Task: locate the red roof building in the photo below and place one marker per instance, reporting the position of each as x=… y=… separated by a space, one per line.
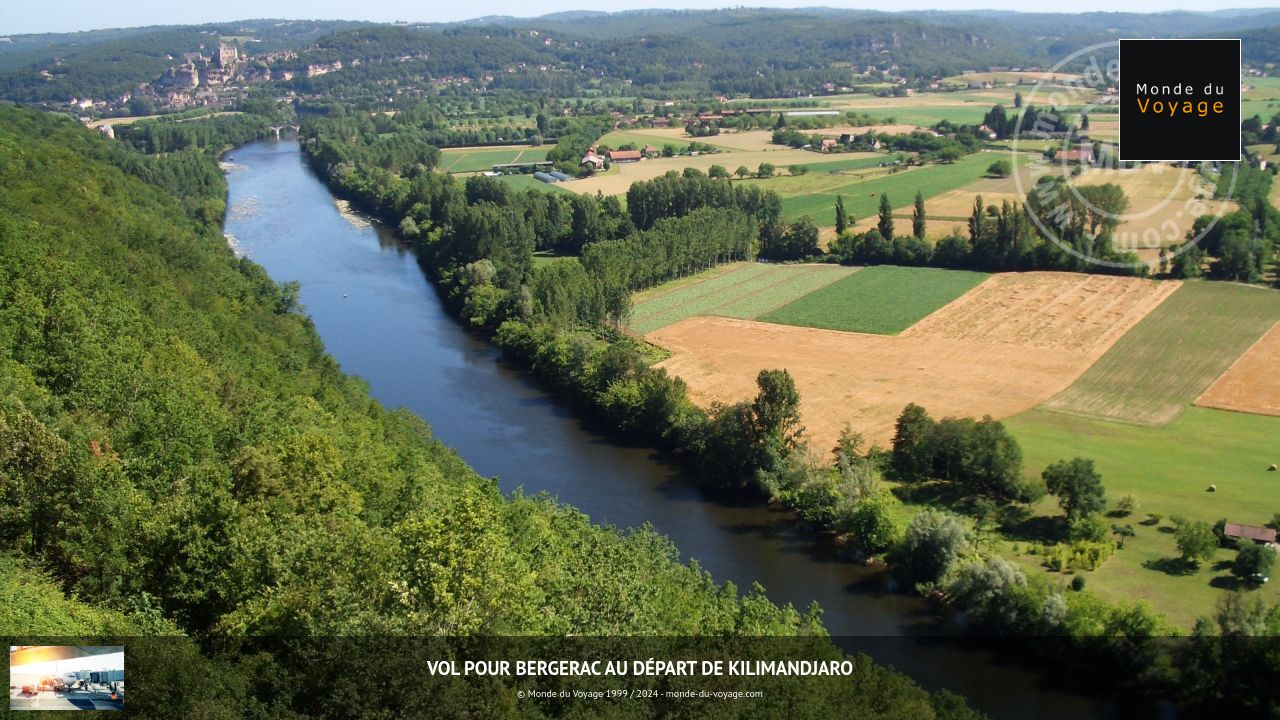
x=624 y=156
x=1250 y=532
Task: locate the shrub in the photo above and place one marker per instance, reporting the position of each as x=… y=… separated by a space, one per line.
x=1127 y=505
x=1077 y=583
x=1081 y=555
x=872 y=525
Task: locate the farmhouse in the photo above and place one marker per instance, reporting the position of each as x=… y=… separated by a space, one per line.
x=828 y=144
x=1083 y=155
x=1264 y=535
x=650 y=151
x=591 y=158
x=624 y=156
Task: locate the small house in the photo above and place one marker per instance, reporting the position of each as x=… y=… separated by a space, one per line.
x=650 y=151
x=1264 y=535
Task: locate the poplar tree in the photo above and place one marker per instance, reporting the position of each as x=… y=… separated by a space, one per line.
x=917 y=219
x=886 y=218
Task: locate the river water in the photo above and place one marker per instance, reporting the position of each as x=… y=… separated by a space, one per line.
x=382 y=320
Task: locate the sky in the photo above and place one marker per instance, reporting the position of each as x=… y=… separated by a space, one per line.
x=110 y=661
x=25 y=16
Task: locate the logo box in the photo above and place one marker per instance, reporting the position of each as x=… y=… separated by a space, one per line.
x=1158 y=78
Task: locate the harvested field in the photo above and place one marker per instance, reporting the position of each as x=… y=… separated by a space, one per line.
x=1252 y=383
x=1049 y=310
x=1172 y=356
x=743 y=292
x=996 y=350
x=885 y=299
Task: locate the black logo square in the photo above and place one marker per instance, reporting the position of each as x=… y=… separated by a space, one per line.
x=1180 y=100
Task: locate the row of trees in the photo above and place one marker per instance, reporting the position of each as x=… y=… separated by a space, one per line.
x=1000 y=238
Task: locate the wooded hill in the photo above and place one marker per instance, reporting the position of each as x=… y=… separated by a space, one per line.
x=761 y=52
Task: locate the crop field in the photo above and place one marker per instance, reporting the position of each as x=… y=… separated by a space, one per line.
x=1000 y=349
x=476 y=159
x=862 y=198
x=1169 y=469
x=1252 y=383
x=622 y=175
x=885 y=299
x=1172 y=356
x=657 y=137
x=745 y=291
x=1025 y=76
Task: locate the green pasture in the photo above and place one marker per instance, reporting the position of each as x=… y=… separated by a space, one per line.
x=885 y=299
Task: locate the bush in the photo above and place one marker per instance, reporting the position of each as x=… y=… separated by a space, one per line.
x=1077 y=583
x=999 y=169
x=1081 y=555
x=1127 y=505
x=934 y=541
x=871 y=525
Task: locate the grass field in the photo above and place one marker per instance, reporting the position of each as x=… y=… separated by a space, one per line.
x=1169 y=469
x=862 y=198
x=743 y=290
x=1172 y=356
x=476 y=159
x=527 y=182
x=884 y=299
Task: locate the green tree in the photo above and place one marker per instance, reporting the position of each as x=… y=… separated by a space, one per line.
x=999 y=169
x=1253 y=559
x=718 y=172
x=1078 y=487
x=777 y=407
x=918 y=217
x=912 y=455
x=742 y=171
x=885 y=223
x=1196 y=541
x=932 y=544
x=842 y=220
x=765 y=170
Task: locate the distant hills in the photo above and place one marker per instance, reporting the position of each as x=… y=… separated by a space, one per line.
x=685 y=52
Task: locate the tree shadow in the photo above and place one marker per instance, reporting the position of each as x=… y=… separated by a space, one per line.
x=1171 y=566
x=1036 y=528
x=1229 y=582
x=1168 y=530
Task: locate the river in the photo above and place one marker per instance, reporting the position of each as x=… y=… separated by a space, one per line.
x=382 y=320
